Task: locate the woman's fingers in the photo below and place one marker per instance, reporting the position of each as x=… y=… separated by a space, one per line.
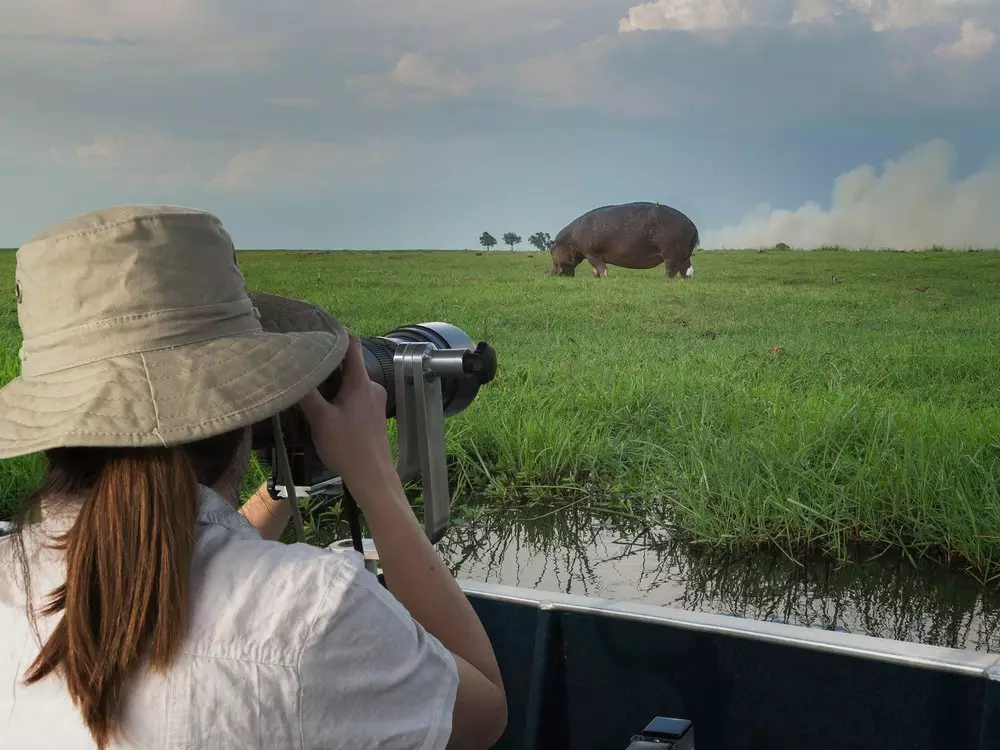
x=314 y=406
x=354 y=363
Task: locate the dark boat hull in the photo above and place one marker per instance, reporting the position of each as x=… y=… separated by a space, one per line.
x=585 y=673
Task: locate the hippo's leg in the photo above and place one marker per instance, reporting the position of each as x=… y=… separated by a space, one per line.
x=600 y=269
x=671 y=266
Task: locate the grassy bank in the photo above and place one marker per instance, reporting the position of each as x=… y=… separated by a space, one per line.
x=760 y=403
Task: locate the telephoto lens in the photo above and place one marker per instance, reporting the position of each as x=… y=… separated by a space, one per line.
x=460 y=379
x=461 y=366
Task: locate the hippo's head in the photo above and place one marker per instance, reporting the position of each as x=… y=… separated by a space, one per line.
x=682 y=267
x=565 y=259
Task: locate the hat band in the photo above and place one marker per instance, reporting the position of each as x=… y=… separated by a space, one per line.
x=132 y=334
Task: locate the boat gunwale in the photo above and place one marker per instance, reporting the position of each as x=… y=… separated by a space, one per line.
x=857 y=645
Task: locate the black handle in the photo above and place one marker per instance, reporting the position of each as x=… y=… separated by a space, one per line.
x=482 y=363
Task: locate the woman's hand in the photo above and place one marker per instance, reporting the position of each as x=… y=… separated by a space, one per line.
x=349 y=432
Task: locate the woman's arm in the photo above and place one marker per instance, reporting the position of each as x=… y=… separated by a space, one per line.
x=417 y=576
x=269 y=517
x=351 y=437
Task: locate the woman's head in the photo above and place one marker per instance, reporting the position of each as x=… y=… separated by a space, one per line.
x=144 y=364
x=138 y=331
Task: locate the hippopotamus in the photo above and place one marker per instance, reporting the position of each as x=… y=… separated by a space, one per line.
x=630 y=235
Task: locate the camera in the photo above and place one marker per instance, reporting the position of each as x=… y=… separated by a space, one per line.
x=430 y=371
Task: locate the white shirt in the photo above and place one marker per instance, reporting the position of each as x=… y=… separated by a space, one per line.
x=289 y=646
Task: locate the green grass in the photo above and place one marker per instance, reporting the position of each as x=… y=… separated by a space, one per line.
x=759 y=404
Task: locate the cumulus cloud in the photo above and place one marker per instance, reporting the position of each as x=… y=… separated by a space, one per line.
x=914 y=204
x=414 y=77
x=975 y=41
x=714 y=15
x=763 y=75
x=693 y=15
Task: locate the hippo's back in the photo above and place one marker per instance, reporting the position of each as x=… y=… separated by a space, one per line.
x=606 y=223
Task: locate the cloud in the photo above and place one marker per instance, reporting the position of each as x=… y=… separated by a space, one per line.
x=915 y=203
x=692 y=15
x=138 y=159
x=174 y=35
x=715 y=15
x=975 y=41
x=233 y=102
x=885 y=14
x=106 y=19
x=299 y=164
x=294 y=102
x=180 y=177
x=760 y=76
x=245 y=169
x=414 y=77
x=132 y=156
x=361 y=59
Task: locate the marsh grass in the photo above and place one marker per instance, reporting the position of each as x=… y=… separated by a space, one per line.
x=760 y=404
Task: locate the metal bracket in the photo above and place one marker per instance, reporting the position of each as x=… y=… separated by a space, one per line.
x=420 y=432
x=420 y=414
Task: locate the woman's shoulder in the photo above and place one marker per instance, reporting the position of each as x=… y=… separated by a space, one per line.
x=260 y=601
x=330 y=639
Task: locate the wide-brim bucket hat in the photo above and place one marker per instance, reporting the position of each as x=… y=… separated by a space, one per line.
x=138 y=331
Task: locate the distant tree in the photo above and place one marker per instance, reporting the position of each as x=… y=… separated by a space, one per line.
x=510 y=238
x=542 y=241
x=487 y=240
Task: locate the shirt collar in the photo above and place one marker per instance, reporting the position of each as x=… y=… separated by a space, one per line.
x=213 y=509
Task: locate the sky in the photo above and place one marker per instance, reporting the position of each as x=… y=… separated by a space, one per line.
x=422 y=123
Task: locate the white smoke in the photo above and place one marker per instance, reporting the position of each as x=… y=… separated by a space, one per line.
x=914 y=204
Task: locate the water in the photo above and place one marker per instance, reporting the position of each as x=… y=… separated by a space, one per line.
x=574 y=552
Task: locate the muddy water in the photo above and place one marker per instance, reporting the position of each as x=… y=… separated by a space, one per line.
x=572 y=552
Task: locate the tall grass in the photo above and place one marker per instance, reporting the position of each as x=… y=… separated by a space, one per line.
x=760 y=403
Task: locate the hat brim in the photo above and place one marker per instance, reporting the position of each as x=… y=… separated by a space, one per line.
x=177 y=395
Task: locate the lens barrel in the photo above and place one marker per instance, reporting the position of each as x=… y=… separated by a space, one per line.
x=461 y=375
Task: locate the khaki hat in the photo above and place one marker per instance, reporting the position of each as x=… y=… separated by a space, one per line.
x=138 y=331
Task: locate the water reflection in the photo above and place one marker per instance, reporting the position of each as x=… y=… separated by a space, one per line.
x=573 y=552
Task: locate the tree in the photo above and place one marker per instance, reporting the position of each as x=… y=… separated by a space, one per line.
x=487 y=240
x=511 y=239
x=542 y=241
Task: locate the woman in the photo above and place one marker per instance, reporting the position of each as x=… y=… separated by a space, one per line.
x=138 y=607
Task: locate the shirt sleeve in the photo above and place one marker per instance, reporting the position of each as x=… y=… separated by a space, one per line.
x=370 y=675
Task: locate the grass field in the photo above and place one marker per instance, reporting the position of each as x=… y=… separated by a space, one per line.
x=760 y=403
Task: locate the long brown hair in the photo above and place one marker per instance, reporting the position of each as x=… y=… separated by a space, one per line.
x=128 y=558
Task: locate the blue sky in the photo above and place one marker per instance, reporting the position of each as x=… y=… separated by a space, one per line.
x=391 y=124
